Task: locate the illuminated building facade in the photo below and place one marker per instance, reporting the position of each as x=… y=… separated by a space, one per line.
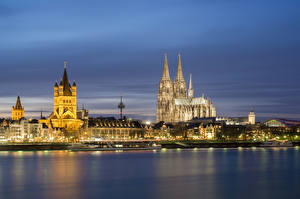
x=281 y=123
x=26 y=130
x=251 y=117
x=175 y=103
x=17 y=111
x=208 y=132
x=64 y=114
x=113 y=129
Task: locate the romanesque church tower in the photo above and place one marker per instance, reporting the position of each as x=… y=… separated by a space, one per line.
x=17 y=112
x=65 y=101
x=165 y=100
x=64 y=114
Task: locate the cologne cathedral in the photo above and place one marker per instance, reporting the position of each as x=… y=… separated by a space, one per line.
x=175 y=103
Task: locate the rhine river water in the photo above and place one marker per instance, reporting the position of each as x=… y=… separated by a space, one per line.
x=202 y=173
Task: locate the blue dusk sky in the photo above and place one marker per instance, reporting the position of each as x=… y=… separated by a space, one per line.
x=241 y=53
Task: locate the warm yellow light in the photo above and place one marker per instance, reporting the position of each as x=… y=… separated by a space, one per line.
x=209 y=136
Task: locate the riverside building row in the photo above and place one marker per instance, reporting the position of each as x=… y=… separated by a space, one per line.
x=176 y=106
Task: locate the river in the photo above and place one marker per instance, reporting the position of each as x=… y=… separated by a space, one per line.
x=197 y=173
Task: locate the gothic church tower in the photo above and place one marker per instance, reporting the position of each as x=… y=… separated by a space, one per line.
x=165 y=100
x=175 y=103
x=179 y=83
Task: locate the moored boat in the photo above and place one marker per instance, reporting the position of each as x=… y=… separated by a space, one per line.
x=277 y=143
x=113 y=147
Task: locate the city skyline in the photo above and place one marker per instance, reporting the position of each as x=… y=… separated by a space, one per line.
x=239 y=56
x=149 y=99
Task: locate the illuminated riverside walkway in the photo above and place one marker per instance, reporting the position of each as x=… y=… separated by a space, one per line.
x=131 y=144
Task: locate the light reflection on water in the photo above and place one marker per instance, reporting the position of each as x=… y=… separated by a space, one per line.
x=179 y=173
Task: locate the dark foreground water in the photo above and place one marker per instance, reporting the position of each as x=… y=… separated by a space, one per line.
x=202 y=173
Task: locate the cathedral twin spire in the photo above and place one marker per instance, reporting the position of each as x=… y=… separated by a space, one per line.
x=179 y=75
x=179 y=85
x=179 y=82
x=166 y=74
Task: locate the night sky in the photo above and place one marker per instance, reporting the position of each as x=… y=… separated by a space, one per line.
x=241 y=54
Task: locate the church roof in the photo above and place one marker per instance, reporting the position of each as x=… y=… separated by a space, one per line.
x=18 y=103
x=193 y=101
x=113 y=123
x=52 y=116
x=65 y=83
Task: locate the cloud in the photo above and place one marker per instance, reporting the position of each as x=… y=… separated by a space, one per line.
x=239 y=57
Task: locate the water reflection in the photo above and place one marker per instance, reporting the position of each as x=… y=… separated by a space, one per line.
x=207 y=173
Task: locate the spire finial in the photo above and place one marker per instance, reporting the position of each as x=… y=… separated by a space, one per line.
x=65 y=64
x=165 y=59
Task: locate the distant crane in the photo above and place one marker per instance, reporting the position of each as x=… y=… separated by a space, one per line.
x=121 y=106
